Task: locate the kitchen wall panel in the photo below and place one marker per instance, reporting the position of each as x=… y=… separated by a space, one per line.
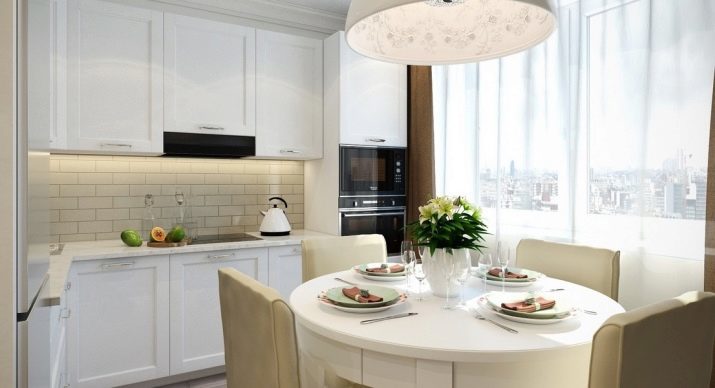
x=96 y=197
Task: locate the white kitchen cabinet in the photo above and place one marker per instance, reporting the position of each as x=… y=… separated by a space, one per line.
x=209 y=76
x=46 y=75
x=367 y=98
x=196 y=330
x=289 y=88
x=58 y=344
x=114 y=78
x=285 y=271
x=118 y=326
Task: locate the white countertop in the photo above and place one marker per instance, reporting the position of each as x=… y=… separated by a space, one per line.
x=112 y=249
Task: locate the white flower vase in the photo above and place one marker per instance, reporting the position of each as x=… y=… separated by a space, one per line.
x=436 y=267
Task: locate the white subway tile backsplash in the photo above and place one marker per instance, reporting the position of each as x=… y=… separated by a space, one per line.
x=95 y=203
x=218 y=179
x=112 y=190
x=94 y=178
x=77 y=165
x=161 y=179
x=77 y=215
x=94 y=226
x=63 y=178
x=111 y=166
x=96 y=197
x=63 y=203
x=77 y=190
x=112 y=214
x=128 y=178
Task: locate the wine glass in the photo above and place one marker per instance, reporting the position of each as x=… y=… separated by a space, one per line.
x=462 y=265
x=503 y=260
x=419 y=274
x=407 y=257
x=485 y=264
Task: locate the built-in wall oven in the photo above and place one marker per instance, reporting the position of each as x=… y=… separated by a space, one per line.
x=372 y=193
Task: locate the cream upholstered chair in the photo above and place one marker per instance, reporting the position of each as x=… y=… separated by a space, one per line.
x=258 y=334
x=595 y=268
x=664 y=345
x=332 y=254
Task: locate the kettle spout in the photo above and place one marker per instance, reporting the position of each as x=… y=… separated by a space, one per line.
x=262 y=212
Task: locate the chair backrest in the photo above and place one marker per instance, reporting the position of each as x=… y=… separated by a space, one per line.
x=667 y=344
x=332 y=254
x=595 y=268
x=258 y=334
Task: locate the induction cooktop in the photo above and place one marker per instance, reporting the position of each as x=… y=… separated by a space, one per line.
x=222 y=238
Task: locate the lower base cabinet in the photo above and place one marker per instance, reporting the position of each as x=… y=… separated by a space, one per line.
x=144 y=318
x=196 y=331
x=118 y=330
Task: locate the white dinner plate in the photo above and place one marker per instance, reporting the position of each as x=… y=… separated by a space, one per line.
x=354 y=310
x=379 y=277
x=480 y=275
x=485 y=306
x=383 y=278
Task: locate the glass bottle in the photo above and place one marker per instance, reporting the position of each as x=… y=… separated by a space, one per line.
x=149 y=219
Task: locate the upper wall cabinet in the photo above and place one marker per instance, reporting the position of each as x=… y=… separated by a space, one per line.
x=289 y=123
x=114 y=78
x=209 y=74
x=365 y=98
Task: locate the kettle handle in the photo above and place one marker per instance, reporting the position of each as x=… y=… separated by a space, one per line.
x=280 y=199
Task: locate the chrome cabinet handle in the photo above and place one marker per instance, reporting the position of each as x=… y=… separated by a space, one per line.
x=374 y=214
x=376 y=140
x=289 y=151
x=211 y=128
x=219 y=257
x=115 y=145
x=118 y=265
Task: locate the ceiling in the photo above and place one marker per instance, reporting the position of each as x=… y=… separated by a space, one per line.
x=339 y=7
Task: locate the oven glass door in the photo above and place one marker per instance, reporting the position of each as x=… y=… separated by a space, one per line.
x=390 y=224
x=371 y=171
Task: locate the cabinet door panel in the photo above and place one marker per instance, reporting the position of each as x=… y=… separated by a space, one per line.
x=374 y=100
x=114 y=80
x=210 y=76
x=285 y=271
x=196 y=331
x=290 y=96
x=118 y=328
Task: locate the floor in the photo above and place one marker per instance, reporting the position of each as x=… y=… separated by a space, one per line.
x=217 y=381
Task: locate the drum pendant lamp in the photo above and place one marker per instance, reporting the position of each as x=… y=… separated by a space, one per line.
x=436 y=32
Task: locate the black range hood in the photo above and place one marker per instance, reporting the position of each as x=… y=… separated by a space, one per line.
x=208 y=146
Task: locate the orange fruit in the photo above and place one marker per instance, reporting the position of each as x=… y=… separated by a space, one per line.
x=158 y=234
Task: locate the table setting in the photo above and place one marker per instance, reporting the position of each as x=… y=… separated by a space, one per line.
x=447 y=305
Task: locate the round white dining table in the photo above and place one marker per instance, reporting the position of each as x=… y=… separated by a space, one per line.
x=439 y=348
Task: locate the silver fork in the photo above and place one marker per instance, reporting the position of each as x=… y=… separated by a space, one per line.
x=507 y=328
x=346 y=282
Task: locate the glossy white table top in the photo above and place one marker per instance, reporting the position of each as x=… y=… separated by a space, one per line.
x=450 y=335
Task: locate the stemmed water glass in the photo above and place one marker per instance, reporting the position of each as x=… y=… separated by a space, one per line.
x=462 y=265
x=485 y=264
x=419 y=274
x=503 y=260
x=407 y=257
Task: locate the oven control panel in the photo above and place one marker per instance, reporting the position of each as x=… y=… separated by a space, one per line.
x=360 y=202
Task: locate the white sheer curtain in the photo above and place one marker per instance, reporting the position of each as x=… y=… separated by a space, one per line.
x=598 y=136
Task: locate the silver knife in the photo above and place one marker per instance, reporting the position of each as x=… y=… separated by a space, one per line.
x=386 y=318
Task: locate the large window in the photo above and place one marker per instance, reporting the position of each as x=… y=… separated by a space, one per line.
x=599 y=135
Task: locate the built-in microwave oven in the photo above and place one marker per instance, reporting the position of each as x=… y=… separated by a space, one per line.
x=372 y=171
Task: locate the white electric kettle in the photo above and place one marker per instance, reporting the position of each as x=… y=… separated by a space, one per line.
x=275 y=222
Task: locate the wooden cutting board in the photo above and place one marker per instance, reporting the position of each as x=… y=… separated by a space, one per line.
x=162 y=244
